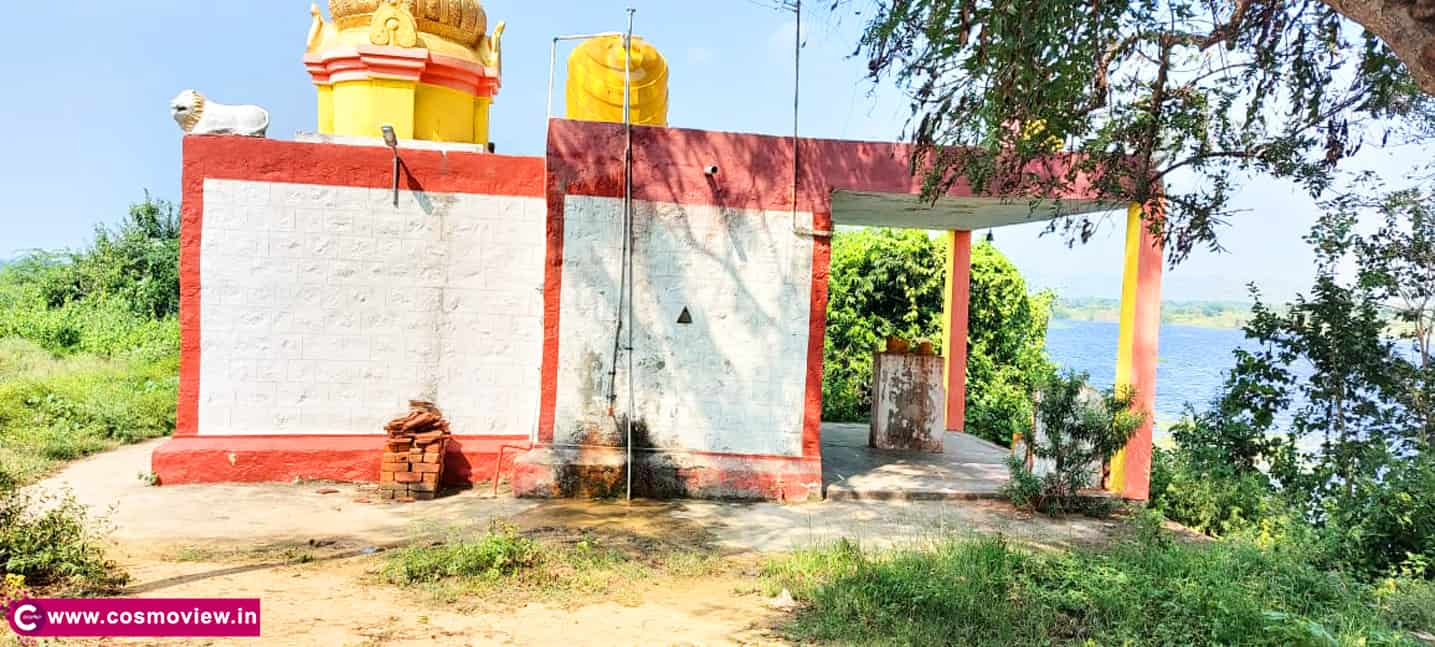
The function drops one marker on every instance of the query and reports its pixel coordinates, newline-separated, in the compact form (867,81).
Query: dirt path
(311,552)
(334,602)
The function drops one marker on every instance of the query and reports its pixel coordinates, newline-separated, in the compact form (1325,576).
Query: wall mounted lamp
(392,141)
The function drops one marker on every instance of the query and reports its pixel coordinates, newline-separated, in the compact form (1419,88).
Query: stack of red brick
(412,466)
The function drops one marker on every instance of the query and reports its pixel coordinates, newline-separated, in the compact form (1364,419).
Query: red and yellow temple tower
(429,68)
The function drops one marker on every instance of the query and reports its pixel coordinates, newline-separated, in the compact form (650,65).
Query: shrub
(1409,603)
(1080,430)
(1385,524)
(1213,501)
(119,295)
(136,264)
(1024,489)
(51,543)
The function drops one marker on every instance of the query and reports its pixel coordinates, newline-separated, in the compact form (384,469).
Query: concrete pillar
(954,327)
(1130,475)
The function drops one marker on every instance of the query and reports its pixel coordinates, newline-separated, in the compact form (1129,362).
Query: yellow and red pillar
(1130,473)
(957,296)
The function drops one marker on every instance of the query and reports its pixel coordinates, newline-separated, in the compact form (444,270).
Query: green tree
(1355,461)
(882,282)
(889,282)
(1178,100)
(116,295)
(1006,338)
(137,263)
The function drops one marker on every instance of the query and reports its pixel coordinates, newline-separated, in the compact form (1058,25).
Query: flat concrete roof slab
(964,213)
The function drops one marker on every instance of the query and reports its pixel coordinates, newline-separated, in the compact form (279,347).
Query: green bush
(1145,591)
(1385,524)
(136,264)
(1213,501)
(101,326)
(890,282)
(1006,355)
(53,545)
(1408,603)
(1081,430)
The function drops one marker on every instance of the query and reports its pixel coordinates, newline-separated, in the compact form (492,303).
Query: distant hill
(1210,314)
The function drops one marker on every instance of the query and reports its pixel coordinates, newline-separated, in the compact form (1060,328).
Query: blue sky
(87,129)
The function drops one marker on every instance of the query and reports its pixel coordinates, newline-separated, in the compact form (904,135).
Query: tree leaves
(1136,91)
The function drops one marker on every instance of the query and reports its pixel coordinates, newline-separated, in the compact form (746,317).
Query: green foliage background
(89,359)
(89,344)
(1355,465)
(890,282)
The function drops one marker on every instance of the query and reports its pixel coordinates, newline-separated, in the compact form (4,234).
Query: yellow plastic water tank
(595,82)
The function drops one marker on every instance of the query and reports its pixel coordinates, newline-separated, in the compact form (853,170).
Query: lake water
(1190,367)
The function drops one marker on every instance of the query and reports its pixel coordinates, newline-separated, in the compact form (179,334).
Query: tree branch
(1405,27)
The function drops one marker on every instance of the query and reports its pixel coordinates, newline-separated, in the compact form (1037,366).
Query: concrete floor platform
(249,516)
(968,468)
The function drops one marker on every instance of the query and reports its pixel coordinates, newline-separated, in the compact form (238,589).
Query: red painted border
(552,295)
(267,160)
(252,459)
(816,334)
(191,234)
(704,475)
(755,171)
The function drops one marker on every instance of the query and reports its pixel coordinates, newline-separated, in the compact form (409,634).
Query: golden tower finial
(392,24)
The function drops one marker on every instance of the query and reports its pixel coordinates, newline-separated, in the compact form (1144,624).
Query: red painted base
(598,472)
(252,459)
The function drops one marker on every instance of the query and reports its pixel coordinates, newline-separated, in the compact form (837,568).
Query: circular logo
(25,617)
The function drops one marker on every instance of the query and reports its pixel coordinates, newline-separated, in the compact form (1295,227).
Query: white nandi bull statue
(198,116)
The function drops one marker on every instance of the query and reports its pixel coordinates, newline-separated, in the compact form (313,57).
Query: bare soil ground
(312,553)
(339,600)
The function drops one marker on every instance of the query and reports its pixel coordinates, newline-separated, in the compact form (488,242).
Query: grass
(51,545)
(1146,591)
(59,408)
(566,566)
(291,553)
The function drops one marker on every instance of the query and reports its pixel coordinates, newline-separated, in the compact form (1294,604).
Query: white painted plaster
(325,309)
(733,380)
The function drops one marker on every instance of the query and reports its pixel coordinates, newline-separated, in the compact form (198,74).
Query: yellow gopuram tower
(429,68)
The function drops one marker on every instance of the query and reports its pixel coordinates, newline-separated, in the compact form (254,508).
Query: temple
(674,288)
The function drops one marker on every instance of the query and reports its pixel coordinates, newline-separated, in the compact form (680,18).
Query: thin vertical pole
(552,63)
(628,219)
(796,91)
